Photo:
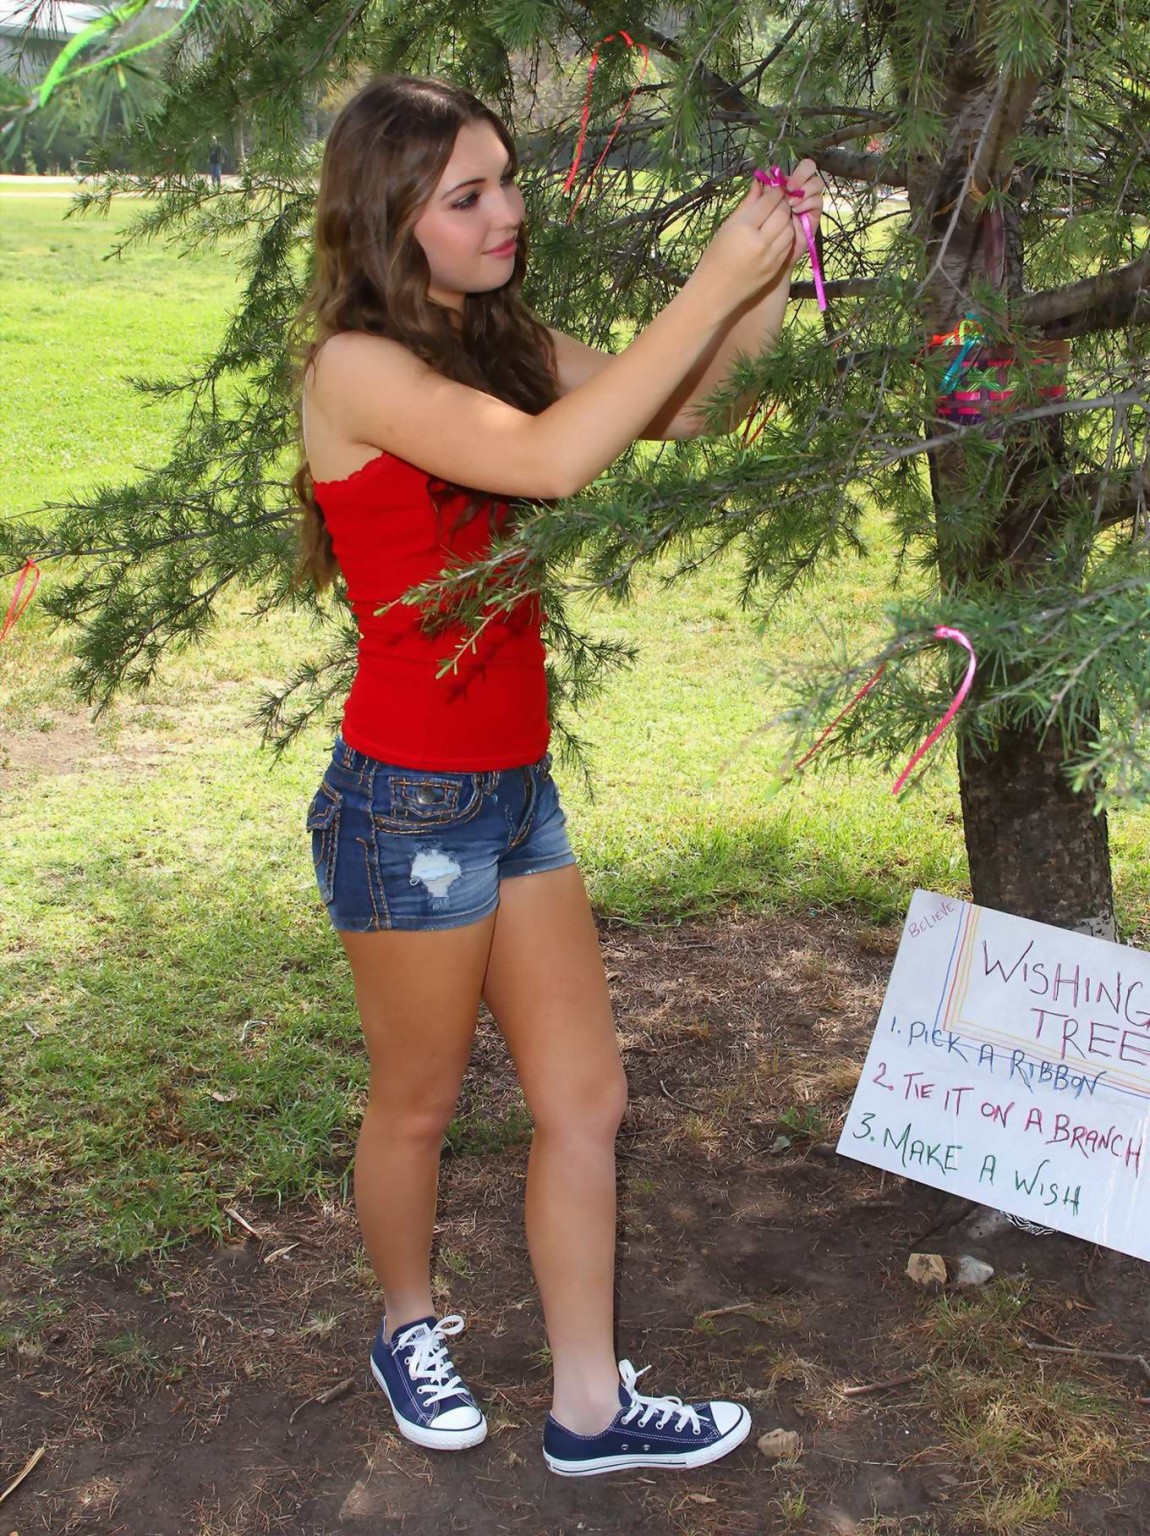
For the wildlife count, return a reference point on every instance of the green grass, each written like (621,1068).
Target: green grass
(176,1017)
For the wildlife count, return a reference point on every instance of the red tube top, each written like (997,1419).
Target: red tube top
(492,711)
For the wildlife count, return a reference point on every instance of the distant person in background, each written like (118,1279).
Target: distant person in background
(215,160)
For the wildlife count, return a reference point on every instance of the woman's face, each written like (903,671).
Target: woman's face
(462,225)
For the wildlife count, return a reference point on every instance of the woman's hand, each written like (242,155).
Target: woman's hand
(751,249)
(804,178)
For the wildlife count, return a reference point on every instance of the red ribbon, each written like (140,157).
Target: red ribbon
(587,113)
(768,412)
(942,632)
(14,612)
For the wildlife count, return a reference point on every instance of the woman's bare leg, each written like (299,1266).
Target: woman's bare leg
(418,999)
(547,990)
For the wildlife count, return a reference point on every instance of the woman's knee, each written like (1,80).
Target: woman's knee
(595,1108)
(420,1120)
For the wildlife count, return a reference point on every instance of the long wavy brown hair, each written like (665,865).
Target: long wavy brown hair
(383,159)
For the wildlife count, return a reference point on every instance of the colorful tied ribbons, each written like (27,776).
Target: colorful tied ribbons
(967,334)
(775,178)
(981,376)
(15,607)
(767,410)
(610,38)
(942,632)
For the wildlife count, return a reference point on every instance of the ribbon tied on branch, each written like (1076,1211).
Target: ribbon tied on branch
(941,632)
(16,607)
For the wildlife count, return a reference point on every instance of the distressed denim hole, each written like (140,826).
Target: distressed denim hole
(437,870)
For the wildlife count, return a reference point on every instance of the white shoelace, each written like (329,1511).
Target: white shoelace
(643,1407)
(1034,1228)
(429,1360)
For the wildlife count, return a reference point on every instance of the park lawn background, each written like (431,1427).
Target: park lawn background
(176,1016)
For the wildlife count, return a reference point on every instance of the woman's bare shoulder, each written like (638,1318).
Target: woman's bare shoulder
(342,367)
(347,353)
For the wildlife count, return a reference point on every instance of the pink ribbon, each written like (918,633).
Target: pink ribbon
(942,632)
(775,178)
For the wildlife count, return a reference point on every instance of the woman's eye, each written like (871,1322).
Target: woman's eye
(469,200)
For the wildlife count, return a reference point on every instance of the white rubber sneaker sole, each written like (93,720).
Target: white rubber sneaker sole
(431,1439)
(697,1458)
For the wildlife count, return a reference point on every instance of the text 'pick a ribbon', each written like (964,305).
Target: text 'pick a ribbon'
(775,178)
(16,607)
(942,632)
(610,38)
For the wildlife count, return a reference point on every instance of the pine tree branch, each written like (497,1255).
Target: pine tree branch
(776,52)
(1115,501)
(821,148)
(837,288)
(1113,316)
(862,124)
(784,484)
(1105,302)
(662,213)
(199,533)
(721,91)
(349,18)
(853,166)
(1050,408)
(868,120)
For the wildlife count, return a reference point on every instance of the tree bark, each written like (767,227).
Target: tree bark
(1035,849)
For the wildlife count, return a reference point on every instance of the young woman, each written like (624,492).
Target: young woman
(432,399)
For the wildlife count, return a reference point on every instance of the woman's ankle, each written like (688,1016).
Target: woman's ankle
(397,1317)
(587,1407)
(585,1418)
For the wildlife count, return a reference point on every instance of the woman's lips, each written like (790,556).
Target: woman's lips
(503,250)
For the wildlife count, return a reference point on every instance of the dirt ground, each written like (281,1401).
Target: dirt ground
(184,1397)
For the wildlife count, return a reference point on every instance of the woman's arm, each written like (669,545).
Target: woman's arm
(384,395)
(752,329)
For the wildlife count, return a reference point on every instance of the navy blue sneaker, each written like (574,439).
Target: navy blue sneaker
(431,1405)
(647,1432)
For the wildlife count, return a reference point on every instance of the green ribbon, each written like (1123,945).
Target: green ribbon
(59,74)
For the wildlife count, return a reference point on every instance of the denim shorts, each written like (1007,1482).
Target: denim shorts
(420,848)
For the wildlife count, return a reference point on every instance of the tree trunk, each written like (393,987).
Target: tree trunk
(1035,849)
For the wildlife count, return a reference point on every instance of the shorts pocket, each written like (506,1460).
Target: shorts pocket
(323,824)
(419,802)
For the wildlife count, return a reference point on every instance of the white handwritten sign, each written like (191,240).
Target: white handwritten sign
(1011,1065)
